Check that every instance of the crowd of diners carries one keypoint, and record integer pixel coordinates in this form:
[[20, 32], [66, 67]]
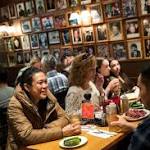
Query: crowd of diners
[[37, 109]]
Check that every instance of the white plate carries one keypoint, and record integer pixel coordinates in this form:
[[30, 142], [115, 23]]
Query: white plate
[[83, 141], [136, 119]]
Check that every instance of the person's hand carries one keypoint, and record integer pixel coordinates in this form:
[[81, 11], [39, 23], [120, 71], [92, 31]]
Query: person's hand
[[71, 129], [114, 85], [123, 123]]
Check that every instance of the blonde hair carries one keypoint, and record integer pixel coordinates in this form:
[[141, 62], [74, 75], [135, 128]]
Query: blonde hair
[[80, 68], [34, 59]]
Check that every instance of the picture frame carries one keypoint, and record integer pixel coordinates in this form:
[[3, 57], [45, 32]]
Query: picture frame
[[119, 50], [112, 10], [61, 4], [84, 2], [146, 48], [90, 49], [115, 30], [56, 52], [43, 40], [146, 27], [66, 34], [17, 43], [19, 57], [73, 3], [145, 7], [36, 24], [76, 35], [134, 49], [74, 21], [129, 8], [29, 8], [4, 14], [27, 57], [103, 51], [96, 13], [36, 53], [40, 7], [60, 21], [101, 33], [25, 42], [47, 22], [88, 34], [12, 11], [50, 5], [54, 37], [132, 28], [9, 44], [44, 52], [20, 9], [34, 41], [11, 59], [26, 26], [78, 50]]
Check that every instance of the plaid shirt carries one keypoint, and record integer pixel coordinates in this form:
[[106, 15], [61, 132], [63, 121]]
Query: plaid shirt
[[57, 82], [141, 138]]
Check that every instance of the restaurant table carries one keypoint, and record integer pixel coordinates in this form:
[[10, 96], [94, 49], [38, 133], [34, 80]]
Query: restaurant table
[[94, 143]]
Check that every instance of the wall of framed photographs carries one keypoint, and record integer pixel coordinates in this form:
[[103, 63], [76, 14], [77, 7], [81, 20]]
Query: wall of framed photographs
[[114, 28]]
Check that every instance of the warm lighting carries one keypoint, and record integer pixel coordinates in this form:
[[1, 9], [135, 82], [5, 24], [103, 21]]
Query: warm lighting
[[96, 18], [85, 17], [74, 18]]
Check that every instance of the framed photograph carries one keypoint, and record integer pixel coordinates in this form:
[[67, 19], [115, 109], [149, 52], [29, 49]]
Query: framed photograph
[[61, 4], [45, 52], [73, 3], [134, 49], [119, 51], [112, 10], [88, 34], [26, 26], [60, 21], [12, 11], [4, 13], [9, 44], [115, 30], [50, 5], [27, 57], [74, 20], [11, 59], [36, 24], [25, 42], [101, 33], [145, 7], [57, 54], [65, 34], [21, 9], [129, 8], [103, 51], [17, 43], [34, 41], [19, 57], [36, 53], [90, 49], [76, 35], [83, 2], [96, 14], [47, 22], [43, 40], [132, 28], [40, 7], [147, 48], [146, 26], [78, 50], [54, 37], [29, 8]]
